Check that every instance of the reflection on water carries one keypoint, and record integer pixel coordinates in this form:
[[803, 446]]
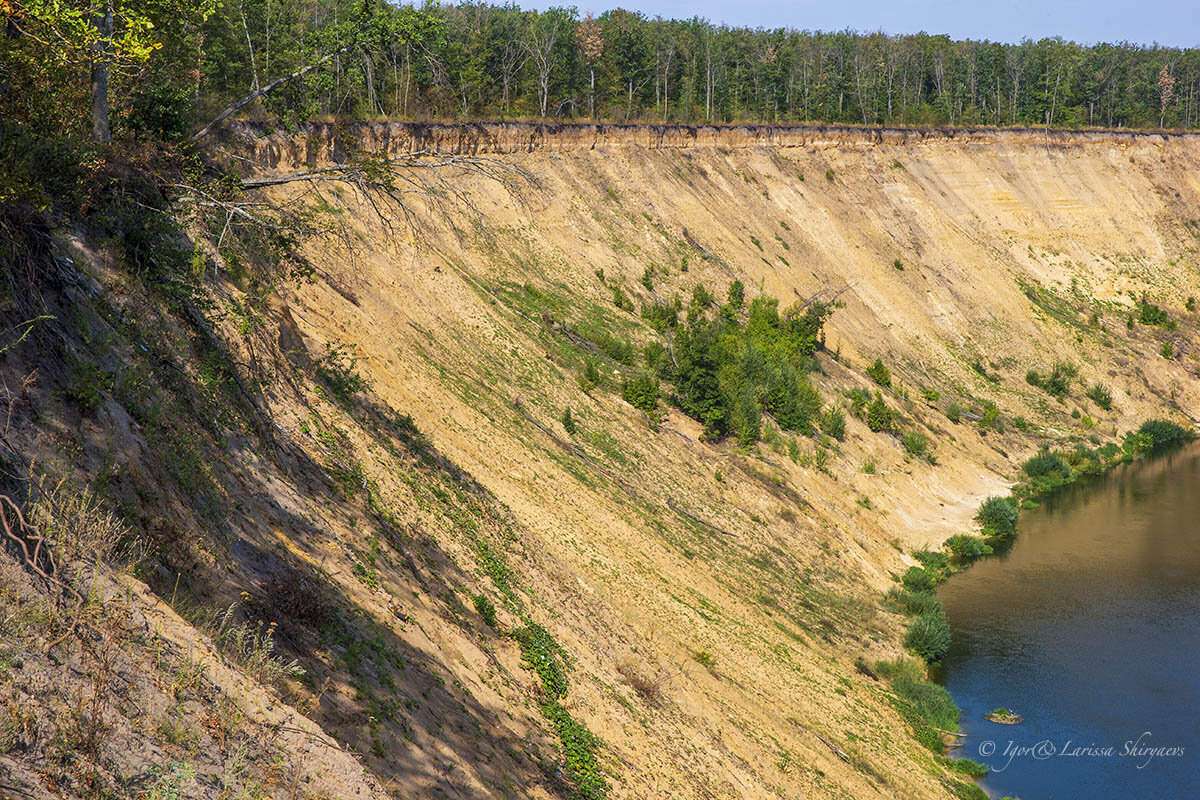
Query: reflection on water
[[1089, 627]]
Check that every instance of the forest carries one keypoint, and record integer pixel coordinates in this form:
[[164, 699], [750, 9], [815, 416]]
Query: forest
[[162, 68]]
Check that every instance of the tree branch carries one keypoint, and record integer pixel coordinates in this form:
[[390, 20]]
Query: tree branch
[[257, 93]]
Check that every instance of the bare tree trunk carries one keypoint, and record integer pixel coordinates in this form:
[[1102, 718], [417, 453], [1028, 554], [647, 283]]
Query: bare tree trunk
[[102, 50], [233, 109], [249, 46]]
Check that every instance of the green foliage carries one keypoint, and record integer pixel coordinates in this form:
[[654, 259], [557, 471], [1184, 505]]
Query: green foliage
[[829, 174], [337, 372], [618, 349], [621, 300], [1150, 314], [580, 747], [834, 423], [881, 418], [879, 373], [541, 653], [916, 603], [485, 608], [990, 419], [648, 278], [929, 636], [704, 658], [641, 392], [737, 294], [926, 706], [1159, 435], [918, 579], [591, 375], [1100, 395], [954, 412], [935, 562], [898, 265], [1057, 383], [87, 383], [997, 516], [859, 400], [727, 373], [1045, 463], [1167, 350], [916, 444], [661, 317], [965, 766], [568, 422], [966, 548]]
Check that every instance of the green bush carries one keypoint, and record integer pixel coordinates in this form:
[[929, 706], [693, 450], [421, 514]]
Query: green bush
[[591, 375], [916, 603], [1058, 383], [1045, 463], [859, 400], [880, 418], [954, 412], [1099, 394], [965, 766], [931, 701], [486, 609], [934, 561], [879, 373], [917, 445], [726, 373], [336, 369], [929, 637], [834, 423], [997, 516], [648, 278], [737, 294], [1162, 434], [568, 422], [965, 547], [641, 392], [918, 579], [621, 300], [1150, 314], [661, 317]]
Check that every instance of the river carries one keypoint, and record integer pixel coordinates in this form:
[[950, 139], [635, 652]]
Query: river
[[1088, 627]]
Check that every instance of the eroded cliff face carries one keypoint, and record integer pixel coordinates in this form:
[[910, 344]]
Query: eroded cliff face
[[326, 142], [713, 599]]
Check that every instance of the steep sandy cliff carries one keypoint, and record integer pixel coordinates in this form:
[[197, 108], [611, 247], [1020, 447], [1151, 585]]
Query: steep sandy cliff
[[709, 602]]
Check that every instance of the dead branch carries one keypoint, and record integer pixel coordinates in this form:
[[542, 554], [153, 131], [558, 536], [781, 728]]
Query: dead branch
[[837, 751], [257, 93], [25, 534], [684, 512], [708, 256]]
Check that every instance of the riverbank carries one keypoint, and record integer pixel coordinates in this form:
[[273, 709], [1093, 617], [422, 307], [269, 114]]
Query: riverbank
[[1095, 649]]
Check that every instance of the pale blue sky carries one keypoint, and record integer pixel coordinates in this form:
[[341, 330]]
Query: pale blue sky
[[1168, 22]]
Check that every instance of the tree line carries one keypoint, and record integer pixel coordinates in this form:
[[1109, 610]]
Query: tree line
[[167, 66]]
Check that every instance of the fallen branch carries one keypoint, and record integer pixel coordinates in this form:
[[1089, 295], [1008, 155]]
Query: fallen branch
[[684, 512], [837, 751], [24, 535]]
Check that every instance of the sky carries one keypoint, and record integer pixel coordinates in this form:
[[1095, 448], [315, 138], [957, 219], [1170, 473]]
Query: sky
[[1174, 23]]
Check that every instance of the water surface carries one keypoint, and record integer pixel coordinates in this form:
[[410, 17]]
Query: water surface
[[1089, 627]]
